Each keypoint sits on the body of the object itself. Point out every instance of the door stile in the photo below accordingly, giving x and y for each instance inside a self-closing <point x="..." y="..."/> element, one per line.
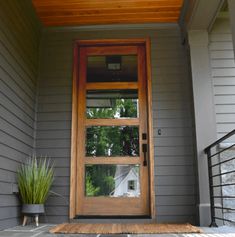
<point x="73" y="162"/>
<point x="143" y="125"/>
<point x="150" y="128"/>
<point x="81" y="129"/>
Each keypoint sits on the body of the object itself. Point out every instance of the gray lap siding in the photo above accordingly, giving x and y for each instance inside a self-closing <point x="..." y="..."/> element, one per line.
<point x="19" y="49"/>
<point x="172" y="113"/>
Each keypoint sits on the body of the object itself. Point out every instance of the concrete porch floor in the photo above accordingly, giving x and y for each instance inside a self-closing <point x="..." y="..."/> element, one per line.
<point x="43" y="231"/>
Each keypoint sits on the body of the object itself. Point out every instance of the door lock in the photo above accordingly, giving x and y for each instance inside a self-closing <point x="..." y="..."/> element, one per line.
<point x="144" y="136"/>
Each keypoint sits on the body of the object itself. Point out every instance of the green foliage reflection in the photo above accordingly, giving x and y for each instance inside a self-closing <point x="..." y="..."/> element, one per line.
<point x="100" y="180"/>
<point x="109" y="141"/>
<point x="121" y="108"/>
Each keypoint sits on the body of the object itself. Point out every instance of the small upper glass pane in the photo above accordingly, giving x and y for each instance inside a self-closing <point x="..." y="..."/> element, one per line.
<point x="112" y="104"/>
<point x="112" y="68"/>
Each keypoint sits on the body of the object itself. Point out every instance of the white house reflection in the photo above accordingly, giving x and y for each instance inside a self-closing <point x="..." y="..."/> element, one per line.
<point x="126" y="182"/>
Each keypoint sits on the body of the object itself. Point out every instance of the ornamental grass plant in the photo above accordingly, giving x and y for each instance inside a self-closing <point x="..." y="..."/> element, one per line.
<point x="35" y="178"/>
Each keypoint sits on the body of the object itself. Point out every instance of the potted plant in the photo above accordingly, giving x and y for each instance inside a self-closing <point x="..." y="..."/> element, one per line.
<point x="35" y="178"/>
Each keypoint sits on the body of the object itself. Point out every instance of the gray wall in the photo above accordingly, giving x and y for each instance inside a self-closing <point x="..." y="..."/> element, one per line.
<point x="172" y="113"/>
<point x="19" y="47"/>
<point x="223" y="75"/>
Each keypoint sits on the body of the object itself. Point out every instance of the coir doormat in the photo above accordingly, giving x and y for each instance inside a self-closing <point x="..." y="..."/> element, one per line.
<point x="84" y="228"/>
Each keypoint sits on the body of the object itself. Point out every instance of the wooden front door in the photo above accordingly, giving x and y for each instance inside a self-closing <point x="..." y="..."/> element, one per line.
<point x="112" y="158"/>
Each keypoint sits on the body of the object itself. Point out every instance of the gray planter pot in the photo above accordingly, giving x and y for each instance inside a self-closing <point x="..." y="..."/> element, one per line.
<point x="33" y="209"/>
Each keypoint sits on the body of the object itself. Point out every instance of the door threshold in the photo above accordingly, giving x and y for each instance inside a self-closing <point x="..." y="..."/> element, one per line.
<point x="112" y="219"/>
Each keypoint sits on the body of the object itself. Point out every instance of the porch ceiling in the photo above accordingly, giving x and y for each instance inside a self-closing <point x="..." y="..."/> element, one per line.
<point x="97" y="12"/>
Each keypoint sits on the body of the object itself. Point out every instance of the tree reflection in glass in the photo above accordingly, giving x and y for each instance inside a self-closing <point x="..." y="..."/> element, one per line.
<point x="112" y="141"/>
<point x="112" y="104"/>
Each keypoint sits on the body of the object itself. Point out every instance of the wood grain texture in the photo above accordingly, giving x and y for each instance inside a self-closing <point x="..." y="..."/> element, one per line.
<point x="150" y="127"/>
<point x="73" y="171"/>
<point x="112" y="122"/>
<point x="143" y="127"/>
<point x="114" y="160"/>
<point x="82" y="205"/>
<point x="81" y="106"/>
<point x="113" y="86"/>
<point x="82" y="12"/>
<point x="111" y="50"/>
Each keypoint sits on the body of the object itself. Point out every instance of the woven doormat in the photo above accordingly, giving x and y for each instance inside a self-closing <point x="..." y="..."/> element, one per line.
<point x="83" y="228"/>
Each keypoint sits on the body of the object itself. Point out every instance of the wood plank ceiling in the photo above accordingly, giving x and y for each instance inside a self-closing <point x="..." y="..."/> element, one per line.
<point x="97" y="12"/>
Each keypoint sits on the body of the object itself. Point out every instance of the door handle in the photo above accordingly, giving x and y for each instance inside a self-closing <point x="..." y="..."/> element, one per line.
<point x="145" y="150"/>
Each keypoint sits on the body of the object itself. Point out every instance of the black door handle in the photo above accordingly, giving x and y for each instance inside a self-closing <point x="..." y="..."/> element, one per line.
<point x="145" y="150"/>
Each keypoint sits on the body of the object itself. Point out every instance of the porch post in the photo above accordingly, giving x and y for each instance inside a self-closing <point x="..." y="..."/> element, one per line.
<point x="205" y="125"/>
<point x="231" y="6"/>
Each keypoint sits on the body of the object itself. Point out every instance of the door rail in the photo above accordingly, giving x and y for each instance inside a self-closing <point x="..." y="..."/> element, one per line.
<point x="220" y="157"/>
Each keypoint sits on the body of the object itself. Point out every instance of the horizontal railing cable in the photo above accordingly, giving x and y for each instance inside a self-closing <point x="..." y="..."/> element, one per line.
<point x="225" y="149"/>
<point x="222" y="162"/>
<point x="224" y="173"/>
<point x="223" y="185"/>
<point x="230" y="134"/>
<point x="222" y="219"/>
<point x="225" y="197"/>
<point x="225" y="208"/>
<point x="221" y="179"/>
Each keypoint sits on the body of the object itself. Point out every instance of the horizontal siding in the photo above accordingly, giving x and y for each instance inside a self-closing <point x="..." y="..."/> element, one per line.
<point x="19" y="48"/>
<point x="223" y="75"/>
<point x="172" y="113"/>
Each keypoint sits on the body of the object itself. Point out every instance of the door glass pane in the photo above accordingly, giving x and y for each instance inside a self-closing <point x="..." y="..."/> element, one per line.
<point x="112" y="68"/>
<point x="112" y="104"/>
<point x="112" y="180"/>
<point x="112" y="141"/>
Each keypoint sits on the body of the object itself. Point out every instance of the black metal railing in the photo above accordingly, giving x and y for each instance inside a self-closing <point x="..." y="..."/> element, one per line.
<point x="221" y="166"/>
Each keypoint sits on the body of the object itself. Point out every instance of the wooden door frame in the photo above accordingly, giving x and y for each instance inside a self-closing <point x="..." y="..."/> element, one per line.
<point x="74" y="127"/>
